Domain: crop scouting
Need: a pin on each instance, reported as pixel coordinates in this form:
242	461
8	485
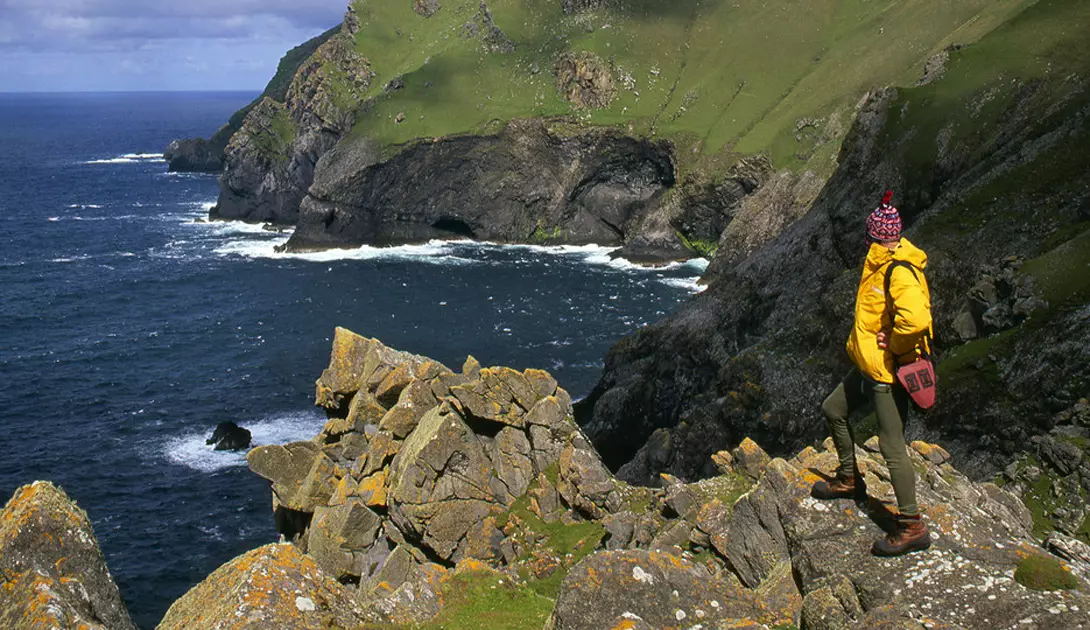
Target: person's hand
883	340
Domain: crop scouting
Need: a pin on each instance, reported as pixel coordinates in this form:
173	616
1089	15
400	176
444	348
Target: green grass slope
709	74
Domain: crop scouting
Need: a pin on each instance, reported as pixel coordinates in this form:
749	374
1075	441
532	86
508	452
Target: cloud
102	25
61	45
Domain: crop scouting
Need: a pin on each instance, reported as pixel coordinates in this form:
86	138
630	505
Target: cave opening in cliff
454	226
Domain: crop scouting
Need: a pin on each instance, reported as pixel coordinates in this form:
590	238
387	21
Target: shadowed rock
228	436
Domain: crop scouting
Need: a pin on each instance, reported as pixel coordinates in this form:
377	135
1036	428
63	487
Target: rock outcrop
270	161
529	183
194	155
228	436
52	571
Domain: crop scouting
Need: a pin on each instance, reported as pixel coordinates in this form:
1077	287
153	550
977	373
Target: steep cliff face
270	161
464	67
198	155
526	184
987	164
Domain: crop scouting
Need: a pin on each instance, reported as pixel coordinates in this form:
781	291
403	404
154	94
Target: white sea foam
435	252
191	451
130	158
54	219
84	206
690	284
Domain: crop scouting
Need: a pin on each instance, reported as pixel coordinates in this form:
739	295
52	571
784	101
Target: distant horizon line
238	91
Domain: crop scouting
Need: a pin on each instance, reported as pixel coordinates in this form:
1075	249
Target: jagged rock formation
207	156
270	161
529	183
52	573
422	474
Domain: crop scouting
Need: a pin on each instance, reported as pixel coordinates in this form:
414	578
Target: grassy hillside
710	74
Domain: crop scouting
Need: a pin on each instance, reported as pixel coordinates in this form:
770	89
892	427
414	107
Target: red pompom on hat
884	224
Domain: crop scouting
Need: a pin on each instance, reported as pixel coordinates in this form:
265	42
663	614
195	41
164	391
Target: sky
126	45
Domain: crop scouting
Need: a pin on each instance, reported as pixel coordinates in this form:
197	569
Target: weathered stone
724	462
584	80
346	368
621	527
541	382
271	587
584	481
381	450
374	489
389	390
821	610
482	403
1063	456
663	590
52	573
365	410
442	482
755	542
345	489
415	600
750	458
931	452
544	499
415	400
482	542
471	369
285	466
340	535
780	596
317	485
426	8
510	454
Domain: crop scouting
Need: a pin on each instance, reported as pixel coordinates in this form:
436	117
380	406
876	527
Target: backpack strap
889	299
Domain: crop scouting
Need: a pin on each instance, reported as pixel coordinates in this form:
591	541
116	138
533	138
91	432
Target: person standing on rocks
888	331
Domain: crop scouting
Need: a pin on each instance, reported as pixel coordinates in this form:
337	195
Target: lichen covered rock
270	588
52	573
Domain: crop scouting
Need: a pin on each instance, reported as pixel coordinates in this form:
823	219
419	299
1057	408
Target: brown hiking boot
841	487
911	535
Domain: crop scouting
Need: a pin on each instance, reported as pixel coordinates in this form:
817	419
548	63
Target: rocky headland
470	498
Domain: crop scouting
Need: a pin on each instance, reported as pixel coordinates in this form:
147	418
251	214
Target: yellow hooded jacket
910	301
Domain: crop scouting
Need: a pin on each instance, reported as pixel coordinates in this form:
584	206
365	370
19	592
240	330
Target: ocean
129	329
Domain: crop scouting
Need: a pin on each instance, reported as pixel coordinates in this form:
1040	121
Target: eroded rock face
269	588
53	573
526	184
270	161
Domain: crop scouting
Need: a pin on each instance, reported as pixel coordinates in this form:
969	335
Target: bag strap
889	298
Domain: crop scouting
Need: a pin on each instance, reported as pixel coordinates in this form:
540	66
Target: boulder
52	571
270	588
228	436
345	540
584	80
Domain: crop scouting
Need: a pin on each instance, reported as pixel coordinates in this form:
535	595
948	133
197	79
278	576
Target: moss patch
1043	573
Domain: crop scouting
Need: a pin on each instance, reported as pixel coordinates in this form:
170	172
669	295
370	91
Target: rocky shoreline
430	491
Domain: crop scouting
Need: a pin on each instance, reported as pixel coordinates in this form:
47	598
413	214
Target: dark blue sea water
128	330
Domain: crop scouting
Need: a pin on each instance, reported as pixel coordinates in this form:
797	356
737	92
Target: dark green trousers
890	403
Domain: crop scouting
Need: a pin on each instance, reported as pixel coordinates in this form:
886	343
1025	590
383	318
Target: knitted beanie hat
884	224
